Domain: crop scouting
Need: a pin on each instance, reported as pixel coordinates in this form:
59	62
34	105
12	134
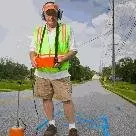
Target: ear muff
43	16
60	12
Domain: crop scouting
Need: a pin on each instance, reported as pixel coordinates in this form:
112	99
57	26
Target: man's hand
57	65
32	58
67	57
60	61
33	63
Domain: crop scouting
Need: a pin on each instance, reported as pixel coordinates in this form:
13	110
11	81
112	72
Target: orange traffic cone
16	131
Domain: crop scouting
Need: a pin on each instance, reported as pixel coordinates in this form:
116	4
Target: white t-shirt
61	74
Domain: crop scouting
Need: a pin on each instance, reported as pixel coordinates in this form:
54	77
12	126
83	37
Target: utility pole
100	67
113	43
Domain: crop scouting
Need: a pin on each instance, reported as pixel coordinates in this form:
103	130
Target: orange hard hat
50	6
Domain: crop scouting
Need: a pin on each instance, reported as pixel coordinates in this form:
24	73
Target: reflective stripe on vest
63	32
39	35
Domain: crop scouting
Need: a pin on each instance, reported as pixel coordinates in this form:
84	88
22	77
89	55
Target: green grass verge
123	89
8	86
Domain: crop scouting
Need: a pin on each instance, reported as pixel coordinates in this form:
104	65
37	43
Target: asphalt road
98	113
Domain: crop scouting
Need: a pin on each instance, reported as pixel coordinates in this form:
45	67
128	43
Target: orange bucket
44	62
14	131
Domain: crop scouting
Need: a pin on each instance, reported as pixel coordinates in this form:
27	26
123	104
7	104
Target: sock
72	126
52	122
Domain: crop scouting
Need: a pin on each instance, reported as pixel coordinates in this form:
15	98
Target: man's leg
69	111
43	89
63	91
70	115
49	112
48	109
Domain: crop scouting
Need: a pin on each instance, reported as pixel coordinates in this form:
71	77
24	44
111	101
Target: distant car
116	78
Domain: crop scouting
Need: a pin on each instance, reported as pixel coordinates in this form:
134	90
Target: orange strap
63	32
39	35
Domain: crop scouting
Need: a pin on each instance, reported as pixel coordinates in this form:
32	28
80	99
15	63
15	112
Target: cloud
125	23
99	20
125	26
19	18
78	10
125	29
83	33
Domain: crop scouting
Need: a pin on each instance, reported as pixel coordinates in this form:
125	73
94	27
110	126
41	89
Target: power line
97	37
131	29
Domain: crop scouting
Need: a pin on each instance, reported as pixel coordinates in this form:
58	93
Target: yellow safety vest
46	50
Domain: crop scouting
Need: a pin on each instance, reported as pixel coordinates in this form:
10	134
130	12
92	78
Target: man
54	81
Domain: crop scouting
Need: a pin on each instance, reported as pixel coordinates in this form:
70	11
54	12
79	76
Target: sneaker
50	131
73	132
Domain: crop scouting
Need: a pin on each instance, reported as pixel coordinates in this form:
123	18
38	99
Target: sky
88	19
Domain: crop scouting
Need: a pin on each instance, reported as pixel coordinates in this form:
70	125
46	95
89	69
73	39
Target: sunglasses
51	13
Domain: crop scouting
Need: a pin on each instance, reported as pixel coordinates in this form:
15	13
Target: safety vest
46	50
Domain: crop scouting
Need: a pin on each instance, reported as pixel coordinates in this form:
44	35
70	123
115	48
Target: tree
9	70
125	70
106	71
125	66
79	72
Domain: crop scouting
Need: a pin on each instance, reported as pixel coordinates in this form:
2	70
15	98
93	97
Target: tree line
10	70
125	70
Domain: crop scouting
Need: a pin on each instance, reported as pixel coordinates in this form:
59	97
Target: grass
11	85
123	89
8	86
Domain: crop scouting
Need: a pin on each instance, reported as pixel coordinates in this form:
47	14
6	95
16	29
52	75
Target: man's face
51	17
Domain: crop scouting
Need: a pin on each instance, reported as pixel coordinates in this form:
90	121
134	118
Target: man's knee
67	102
47	100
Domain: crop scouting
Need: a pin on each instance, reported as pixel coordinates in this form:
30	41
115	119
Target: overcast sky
88	19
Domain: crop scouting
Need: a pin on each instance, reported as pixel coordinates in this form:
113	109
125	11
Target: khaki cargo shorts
60	89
